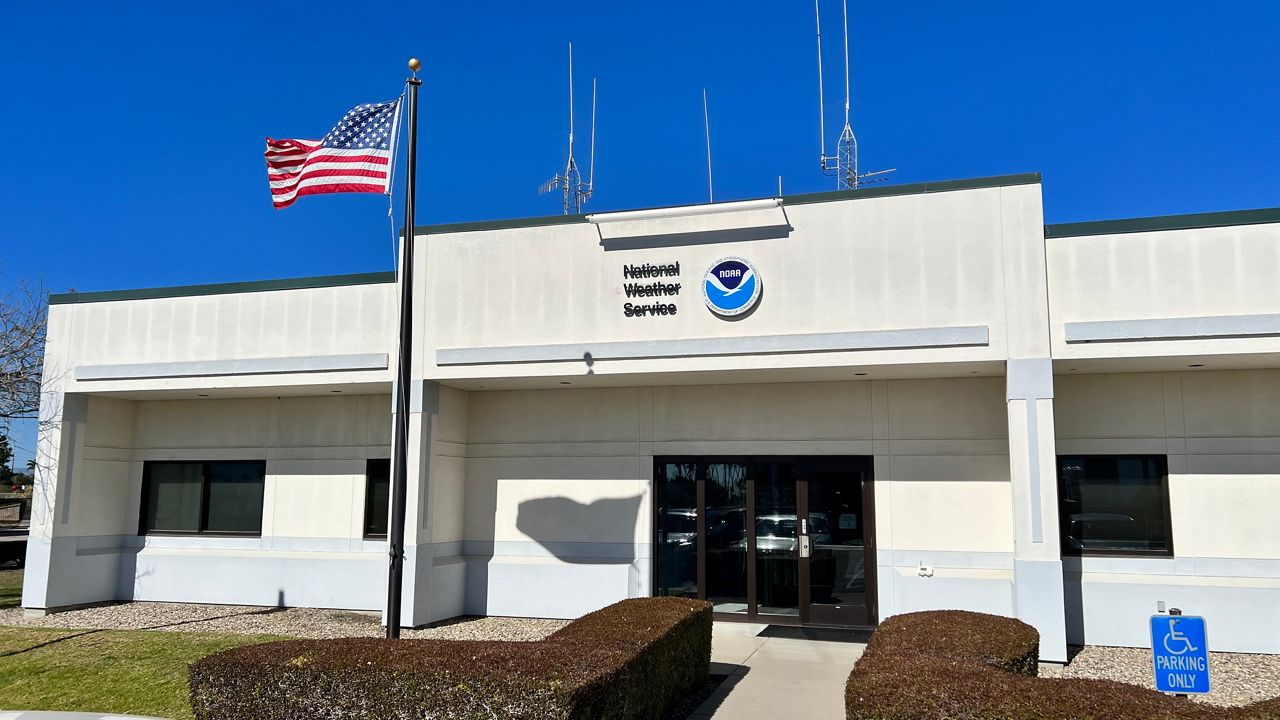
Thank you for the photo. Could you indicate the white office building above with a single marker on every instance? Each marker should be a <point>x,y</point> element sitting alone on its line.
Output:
<point>820,409</point>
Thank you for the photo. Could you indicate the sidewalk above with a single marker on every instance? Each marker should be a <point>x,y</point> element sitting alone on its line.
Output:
<point>776,677</point>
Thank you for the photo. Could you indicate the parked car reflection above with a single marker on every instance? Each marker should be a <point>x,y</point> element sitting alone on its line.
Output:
<point>1105,531</point>
<point>778,534</point>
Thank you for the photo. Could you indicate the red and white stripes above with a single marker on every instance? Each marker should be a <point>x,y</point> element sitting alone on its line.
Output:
<point>304,167</point>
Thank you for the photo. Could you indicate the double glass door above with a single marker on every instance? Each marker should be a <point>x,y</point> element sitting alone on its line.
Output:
<point>774,539</point>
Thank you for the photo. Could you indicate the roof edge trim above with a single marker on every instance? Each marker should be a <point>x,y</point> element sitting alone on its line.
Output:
<point>1193,221</point>
<point>322,281</point>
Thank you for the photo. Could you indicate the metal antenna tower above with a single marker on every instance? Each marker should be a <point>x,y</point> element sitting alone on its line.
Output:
<point>576,192</point>
<point>844,164</point>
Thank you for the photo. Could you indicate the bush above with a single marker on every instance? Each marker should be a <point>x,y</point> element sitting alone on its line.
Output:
<point>634,659</point>
<point>952,665</point>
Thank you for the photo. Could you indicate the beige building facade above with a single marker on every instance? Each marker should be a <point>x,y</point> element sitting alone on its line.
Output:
<point>822,409</point>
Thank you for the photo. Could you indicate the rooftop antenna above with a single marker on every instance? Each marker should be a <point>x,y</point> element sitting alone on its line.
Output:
<point>844,164</point>
<point>576,192</point>
<point>706,124</point>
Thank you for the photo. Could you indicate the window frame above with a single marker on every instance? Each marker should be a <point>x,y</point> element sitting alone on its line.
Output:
<point>144,506</point>
<point>1066,551</point>
<point>364,529</point>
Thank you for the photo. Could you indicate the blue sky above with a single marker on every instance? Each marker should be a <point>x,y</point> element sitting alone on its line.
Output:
<point>135,130</point>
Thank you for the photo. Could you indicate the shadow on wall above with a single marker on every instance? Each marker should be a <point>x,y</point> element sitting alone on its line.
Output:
<point>601,532</point>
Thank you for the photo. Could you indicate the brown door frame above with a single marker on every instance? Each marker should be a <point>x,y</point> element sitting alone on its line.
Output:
<point>863,468</point>
<point>866,479</point>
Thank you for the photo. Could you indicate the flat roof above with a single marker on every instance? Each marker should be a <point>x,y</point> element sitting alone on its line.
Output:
<point>1193,221</point>
<point>1060,230</point>
<point>229,288</point>
<point>799,199</point>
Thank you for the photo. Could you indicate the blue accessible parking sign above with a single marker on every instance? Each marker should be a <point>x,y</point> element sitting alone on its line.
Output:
<point>1180,652</point>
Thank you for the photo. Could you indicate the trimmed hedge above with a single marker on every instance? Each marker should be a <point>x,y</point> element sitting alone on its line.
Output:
<point>955,665</point>
<point>634,659</point>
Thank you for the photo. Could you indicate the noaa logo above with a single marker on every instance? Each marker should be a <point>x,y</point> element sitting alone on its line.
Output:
<point>731,287</point>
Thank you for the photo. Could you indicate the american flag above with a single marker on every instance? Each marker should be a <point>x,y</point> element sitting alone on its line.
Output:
<point>354,157</point>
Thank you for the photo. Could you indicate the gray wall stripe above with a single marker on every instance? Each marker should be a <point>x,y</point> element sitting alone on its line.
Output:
<point>248,366</point>
<point>966,336</point>
<point>1033,451</point>
<point>1215,326</point>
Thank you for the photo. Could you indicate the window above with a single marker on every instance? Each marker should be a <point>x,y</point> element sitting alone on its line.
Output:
<point>202,497</point>
<point>1114,505</point>
<point>377,495</point>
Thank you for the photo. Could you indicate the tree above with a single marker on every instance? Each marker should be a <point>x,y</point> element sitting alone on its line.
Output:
<point>6,460</point>
<point>22,335</point>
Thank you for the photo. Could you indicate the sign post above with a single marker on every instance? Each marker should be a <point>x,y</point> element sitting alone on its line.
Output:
<point>1180,653</point>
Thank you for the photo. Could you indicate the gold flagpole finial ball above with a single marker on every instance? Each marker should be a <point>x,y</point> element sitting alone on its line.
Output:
<point>414,64</point>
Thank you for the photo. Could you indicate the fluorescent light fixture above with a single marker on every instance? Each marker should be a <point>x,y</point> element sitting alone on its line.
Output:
<point>684,211</point>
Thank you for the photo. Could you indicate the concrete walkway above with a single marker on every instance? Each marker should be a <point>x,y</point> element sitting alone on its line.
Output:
<point>776,678</point>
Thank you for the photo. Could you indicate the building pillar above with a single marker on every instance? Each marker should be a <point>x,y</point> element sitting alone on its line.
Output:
<point>1039,598</point>
<point>434,569</point>
<point>50,574</point>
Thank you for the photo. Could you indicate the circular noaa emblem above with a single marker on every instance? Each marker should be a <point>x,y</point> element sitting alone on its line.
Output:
<point>731,287</point>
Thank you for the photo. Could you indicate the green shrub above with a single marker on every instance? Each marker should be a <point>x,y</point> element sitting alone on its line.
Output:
<point>952,665</point>
<point>634,659</point>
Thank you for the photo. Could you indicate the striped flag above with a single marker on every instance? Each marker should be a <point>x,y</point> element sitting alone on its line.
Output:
<point>355,157</point>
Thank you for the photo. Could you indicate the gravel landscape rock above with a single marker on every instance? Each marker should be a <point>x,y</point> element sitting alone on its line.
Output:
<point>292,622</point>
<point>1236,678</point>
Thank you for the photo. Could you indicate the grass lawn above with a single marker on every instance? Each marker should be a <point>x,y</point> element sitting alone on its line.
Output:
<point>138,672</point>
<point>10,587</point>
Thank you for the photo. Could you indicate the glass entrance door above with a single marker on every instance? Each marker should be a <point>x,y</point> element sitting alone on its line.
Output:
<point>777,580</point>
<point>838,546</point>
<point>775,539</point>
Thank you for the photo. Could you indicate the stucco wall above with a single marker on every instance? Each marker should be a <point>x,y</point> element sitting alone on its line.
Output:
<point>1223,275</point>
<point>928,262</point>
<point>315,450</point>
<point>559,482</point>
<point>1221,433</point>
<point>339,334</point>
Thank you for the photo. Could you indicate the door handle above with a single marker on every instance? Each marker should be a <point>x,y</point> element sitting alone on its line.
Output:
<point>806,548</point>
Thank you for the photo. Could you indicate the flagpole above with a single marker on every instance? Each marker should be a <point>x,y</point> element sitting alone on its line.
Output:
<point>399,476</point>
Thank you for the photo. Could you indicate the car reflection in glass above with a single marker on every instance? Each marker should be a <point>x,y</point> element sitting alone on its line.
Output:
<point>1105,531</point>
<point>776,534</point>
<point>679,526</point>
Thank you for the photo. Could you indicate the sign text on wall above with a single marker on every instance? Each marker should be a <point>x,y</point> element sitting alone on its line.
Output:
<point>648,281</point>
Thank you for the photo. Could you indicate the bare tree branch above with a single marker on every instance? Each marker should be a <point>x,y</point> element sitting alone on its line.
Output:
<point>23,320</point>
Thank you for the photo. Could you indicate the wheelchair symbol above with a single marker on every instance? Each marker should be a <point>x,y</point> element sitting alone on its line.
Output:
<point>1174,638</point>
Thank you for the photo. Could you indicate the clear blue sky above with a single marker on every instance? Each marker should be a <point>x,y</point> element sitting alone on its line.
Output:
<point>134,136</point>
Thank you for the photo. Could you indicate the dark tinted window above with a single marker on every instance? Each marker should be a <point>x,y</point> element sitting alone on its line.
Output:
<point>377,497</point>
<point>200,497</point>
<point>677,530</point>
<point>172,497</point>
<point>234,497</point>
<point>1114,504</point>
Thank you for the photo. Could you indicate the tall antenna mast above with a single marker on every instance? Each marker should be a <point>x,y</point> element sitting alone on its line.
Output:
<point>844,165</point>
<point>706,124</point>
<point>576,192</point>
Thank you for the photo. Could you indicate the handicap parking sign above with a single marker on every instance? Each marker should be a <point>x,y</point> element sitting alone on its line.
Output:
<point>1180,652</point>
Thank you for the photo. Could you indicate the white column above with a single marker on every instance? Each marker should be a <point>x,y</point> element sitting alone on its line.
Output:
<point>50,563</point>
<point>1039,599</point>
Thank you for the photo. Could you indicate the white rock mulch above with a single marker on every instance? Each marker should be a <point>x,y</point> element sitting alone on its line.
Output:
<point>291,622</point>
<point>1237,678</point>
